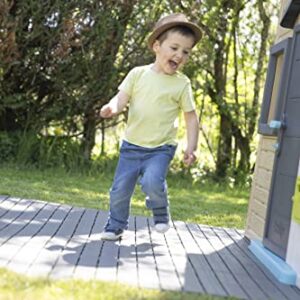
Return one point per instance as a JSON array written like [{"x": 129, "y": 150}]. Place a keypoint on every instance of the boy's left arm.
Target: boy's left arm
[{"x": 192, "y": 128}]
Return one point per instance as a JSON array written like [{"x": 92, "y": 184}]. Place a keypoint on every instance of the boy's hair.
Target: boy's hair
[{"x": 183, "y": 30}]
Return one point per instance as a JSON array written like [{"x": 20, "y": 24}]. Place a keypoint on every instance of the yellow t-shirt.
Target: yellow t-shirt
[{"x": 155, "y": 102}]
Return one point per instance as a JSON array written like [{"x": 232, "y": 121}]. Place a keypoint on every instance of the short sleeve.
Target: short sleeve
[
  {"x": 187, "y": 102},
  {"x": 128, "y": 83}
]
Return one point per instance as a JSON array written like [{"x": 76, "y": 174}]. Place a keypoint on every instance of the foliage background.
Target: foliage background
[{"x": 61, "y": 61}]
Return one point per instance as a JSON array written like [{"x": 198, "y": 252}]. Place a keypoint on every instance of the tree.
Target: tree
[
  {"x": 231, "y": 60},
  {"x": 60, "y": 62}
]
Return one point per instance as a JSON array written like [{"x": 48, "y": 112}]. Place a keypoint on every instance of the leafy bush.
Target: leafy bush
[
  {"x": 40, "y": 151},
  {"x": 59, "y": 151},
  {"x": 8, "y": 146}
]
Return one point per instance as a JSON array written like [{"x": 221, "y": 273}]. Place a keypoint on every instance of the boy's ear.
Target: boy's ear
[{"x": 156, "y": 45}]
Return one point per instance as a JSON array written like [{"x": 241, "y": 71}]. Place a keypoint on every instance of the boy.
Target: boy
[{"x": 155, "y": 93}]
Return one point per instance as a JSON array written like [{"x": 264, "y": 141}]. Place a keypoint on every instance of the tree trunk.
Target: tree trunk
[
  {"x": 243, "y": 141},
  {"x": 112, "y": 43},
  {"x": 8, "y": 121},
  {"x": 260, "y": 65},
  {"x": 224, "y": 148},
  {"x": 89, "y": 134},
  {"x": 243, "y": 144},
  {"x": 224, "y": 143},
  {"x": 102, "y": 138}
]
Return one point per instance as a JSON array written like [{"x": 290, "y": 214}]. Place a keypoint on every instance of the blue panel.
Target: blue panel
[{"x": 277, "y": 266}]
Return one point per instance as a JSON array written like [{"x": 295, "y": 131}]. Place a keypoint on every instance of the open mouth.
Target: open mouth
[{"x": 173, "y": 64}]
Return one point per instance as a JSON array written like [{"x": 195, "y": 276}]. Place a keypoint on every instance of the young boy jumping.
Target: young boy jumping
[{"x": 155, "y": 93}]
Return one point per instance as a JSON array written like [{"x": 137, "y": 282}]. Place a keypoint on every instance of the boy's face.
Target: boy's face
[{"x": 172, "y": 53}]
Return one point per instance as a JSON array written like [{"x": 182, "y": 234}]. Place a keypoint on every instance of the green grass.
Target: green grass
[
  {"x": 207, "y": 203},
  {"x": 193, "y": 202},
  {"x": 17, "y": 287}
]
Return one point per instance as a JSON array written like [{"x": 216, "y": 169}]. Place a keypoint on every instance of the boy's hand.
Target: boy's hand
[
  {"x": 115, "y": 105},
  {"x": 108, "y": 111},
  {"x": 189, "y": 157}
]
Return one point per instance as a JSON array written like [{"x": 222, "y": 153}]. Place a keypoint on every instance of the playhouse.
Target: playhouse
[{"x": 273, "y": 222}]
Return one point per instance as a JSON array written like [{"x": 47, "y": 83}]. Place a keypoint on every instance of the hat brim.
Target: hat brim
[{"x": 157, "y": 32}]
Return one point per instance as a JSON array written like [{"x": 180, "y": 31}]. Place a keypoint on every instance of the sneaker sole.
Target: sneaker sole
[
  {"x": 162, "y": 231},
  {"x": 116, "y": 238}
]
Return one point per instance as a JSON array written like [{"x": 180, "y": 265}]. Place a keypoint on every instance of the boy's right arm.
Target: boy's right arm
[{"x": 115, "y": 105}]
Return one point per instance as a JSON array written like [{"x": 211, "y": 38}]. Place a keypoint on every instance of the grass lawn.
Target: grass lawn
[
  {"x": 209, "y": 204},
  {"x": 193, "y": 202},
  {"x": 16, "y": 287}
]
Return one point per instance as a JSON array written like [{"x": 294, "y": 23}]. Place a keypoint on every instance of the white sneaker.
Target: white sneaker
[
  {"x": 111, "y": 236},
  {"x": 162, "y": 227}
]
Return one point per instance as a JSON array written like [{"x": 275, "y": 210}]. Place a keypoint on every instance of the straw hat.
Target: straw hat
[{"x": 170, "y": 21}]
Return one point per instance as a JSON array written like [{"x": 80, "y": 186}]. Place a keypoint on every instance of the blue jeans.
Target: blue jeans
[{"x": 149, "y": 167}]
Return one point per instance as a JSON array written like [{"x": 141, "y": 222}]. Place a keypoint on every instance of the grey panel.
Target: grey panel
[
  {"x": 204, "y": 271},
  {"x": 72, "y": 250},
  {"x": 22, "y": 221},
  {"x": 294, "y": 90},
  {"x": 284, "y": 291},
  {"x": 286, "y": 160},
  {"x": 147, "y": 270},
  {"x": 221, "y": 270},
  {"x": 31, "y": 240},
  {"x": 297, "y": 46},
  {"x": 108, "y": 261},
  {"x": 290, "y": 151},
  {"x": 184, "y": 269},
  {"x": 86, "y": 266},
  {"x": 293, "y": 117},
  {"x": 128, "y": 267},
  {"x": 241, "y": 275},
  {"x": 290, "y": 15},
  {"x": 293, "y": 97},
  {"x": 278, "y": 49},
  {"x": 277, "y": 230},
  {"x": 167, "y": 272},
  {"x": 7, "y": 205},
  {"x": 247, "y": 263},
  {"x": 3, "y": 197},
  {"x": 49, "y": 255},
  {"x": 9, "y": 216},
  {"x": 67, "y": 240}
]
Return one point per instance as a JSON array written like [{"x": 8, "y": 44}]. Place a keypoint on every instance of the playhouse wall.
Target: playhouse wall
[
  {"x": 260, "y": 189},
  {"x": 292, "y": 257},
  {"x": 259, "y": 195}
]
